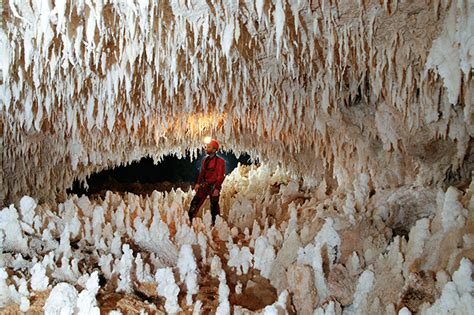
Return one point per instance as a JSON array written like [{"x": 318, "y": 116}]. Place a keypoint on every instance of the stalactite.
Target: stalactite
[{"x": 95, "y": 60}]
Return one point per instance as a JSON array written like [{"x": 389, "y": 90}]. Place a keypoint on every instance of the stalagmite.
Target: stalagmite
[
  {"x": 39, "y": 280},
  {"x": 457, "y": 295},
  {"x": 4, "y": 292},
  {"x": 124, "y": 269},
  {"x": 13, "y": 237},
  {"x": 264, "y": 256},
  {"x": 168, "y": 289},
  {"x": 224, "y": 306},
  {"x": 86, "y": 301},
  {"x": 61, "y": 300},
  {"x": 341, "y": 258},
  {"x": 187, "y": 272},
  {"x": 240, "y": 259}
]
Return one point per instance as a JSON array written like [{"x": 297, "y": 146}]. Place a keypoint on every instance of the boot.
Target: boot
[
  {"x": 194, "y": 208},
  {"x": 214, "y": 209}
]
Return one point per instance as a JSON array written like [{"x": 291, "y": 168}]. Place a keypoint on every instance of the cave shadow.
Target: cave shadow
[{"x": 142, "y": 177}]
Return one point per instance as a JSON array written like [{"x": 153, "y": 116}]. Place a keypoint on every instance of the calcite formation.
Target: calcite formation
[
  {"x": 381, "y": 87},
  {"x": 288, "y": 264},
  {"x": 360, "y": 114}
]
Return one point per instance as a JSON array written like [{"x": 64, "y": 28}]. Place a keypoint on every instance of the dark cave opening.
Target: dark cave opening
[{"x": 143, "y": 177}]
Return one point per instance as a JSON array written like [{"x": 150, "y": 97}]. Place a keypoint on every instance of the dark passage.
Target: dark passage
[{"x": 143, "y": 177}]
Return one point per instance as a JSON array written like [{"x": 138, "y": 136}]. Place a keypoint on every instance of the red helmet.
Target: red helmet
[{"x": 215, "y": 144}]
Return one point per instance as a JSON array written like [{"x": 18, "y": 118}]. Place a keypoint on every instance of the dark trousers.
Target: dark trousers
[{"x": 199, "y": 199}]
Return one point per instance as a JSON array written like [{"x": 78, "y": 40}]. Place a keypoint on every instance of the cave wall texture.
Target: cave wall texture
[{"x": 326, "y": 89}]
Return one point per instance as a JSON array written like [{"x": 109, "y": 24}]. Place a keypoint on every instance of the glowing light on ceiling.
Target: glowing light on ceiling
[{"x": 207, "y": 139}]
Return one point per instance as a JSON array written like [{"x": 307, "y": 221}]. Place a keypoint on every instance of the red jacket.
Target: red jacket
[{"x": 212, "y": 171}]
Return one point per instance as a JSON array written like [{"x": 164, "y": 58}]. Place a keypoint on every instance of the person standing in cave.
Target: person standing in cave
[{"x": 209, "y": 182}]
